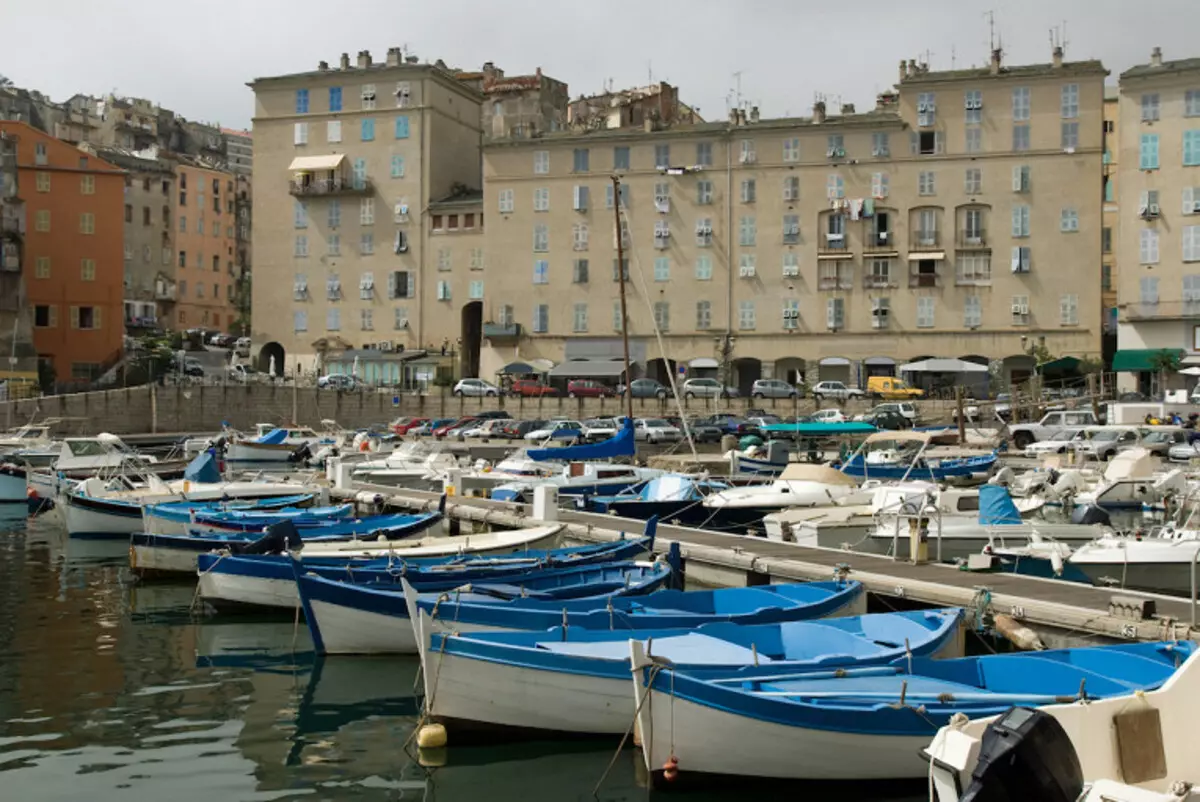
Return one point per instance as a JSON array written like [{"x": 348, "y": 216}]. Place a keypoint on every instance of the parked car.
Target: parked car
[
  {"x": 773, "y": 388},
  {"x": 703, "y": 430},
  {"x": 838, "y": 391},
  {"x": 1060, "y": 442},
  {"x": 476, "y": 388},
  {"x": 556, "y": 430},
  {"x": 645, "y": 388},
  {"x": 655, "y": 430},
  {"x": 454, "y": 424},
  {"x": 588, "y": 388},
  {"x": 1133, "y": 397},
  {"x": 1159, "y": 440},
  {"x": 517, "y": 429},
  {"x": 488, "y": 428},
  {"x": 191, "y": 366},
  {"x": 428, "y": 426},
  {"x": 409, "y": 425},
  {"x": 1103, "y": 442},
  {"x": 337, "y": 381},
  {"x": 754, "y": 425},
  {"x": 221, "y": 340},
  {"x": 600, "y": 428},
  {"x": 530, "y": 388},
  {"x": 891, "y": 387},
  {"x": 1022, "y": 434},
  {"x": 827, "y": 416},
  {"x": 888, "y": 419},
  {"x": 905, "y": 408},
  {"x": 707, "y": 388},
  {"x": 241, "y": 346}
]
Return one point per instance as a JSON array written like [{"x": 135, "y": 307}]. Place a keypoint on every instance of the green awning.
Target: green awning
[
  {"x": 1064, "y": 364},
  {"x": 1135, "y": 360}
]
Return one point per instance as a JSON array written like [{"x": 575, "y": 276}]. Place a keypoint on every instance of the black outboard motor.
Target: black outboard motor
[
  {"x": 301, "y": 454},
  {"x": 1025, "y": 756},
  {"x": 279, "y": 538},
  {"x": 1091, "y": 514}
]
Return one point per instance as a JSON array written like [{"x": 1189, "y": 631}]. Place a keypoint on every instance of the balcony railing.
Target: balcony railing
[
  {"x": 924, "y": 279},
  {"x": 832, "y": 244},
  {"x": 12, "y": 218},
  {"x": 162, "y": 293},
  {"x": 975, "y": 238},
  {"x": 1163, "y": 310},
  {"x": 925, "y": 241},
  {"x": 841, "y": 281},
  {"x": 973, "y": 278},
  {"x": 501, "y": 331},
  {"x": 877, "y": 282},
  {"x": 330, "y": 186},
  {"x": 880, "y": 241}
]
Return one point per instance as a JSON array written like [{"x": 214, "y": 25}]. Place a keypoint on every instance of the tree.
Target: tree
[
  {"x": 1164, "y": 362},
  {"x": 5, "y": 82}
]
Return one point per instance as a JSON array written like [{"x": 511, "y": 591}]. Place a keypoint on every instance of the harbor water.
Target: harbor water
[{"x": 111, "y": 690}]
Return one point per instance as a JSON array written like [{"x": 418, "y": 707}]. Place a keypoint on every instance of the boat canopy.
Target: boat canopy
[
  {"x": 847, "y": 427},
  {"x": 805, "y": 472},
  {"x": 203, "y": 469},
  {"x": 900, "y": 437},
  {"x": 619, "y": 445},
  {"x": 996, "y": 506},
  {"x": 272, "y": 438}
]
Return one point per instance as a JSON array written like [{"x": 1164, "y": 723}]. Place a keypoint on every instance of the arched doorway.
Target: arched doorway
[
  {"x": 834, "y": 369},
  {"x": 471, "y": 339},
  {"x": 791, "y": 369},
  {"x": 878, "y": 366},
  {"x": 1017, "y": 369},
  {"x": 661, "y": 369},
  {"x": 271, "y": 359},
  {"x": 746, "y": 371}
]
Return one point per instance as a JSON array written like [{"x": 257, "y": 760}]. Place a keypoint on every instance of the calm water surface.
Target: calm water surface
[{"x": 111, "y": 691}]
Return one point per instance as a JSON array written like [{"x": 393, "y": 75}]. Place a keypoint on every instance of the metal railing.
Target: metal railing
[{"x": 330, "y": 186}]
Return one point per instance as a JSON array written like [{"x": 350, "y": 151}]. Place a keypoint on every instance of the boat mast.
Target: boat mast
[{"x": 621, "y": 282}]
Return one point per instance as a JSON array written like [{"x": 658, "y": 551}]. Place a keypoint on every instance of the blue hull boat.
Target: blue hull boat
[
  {"x": 864, "y": 723},
  {"x": 936, "y": 470},
  {"x": 670, "y": 497},
  {"x": 176, "y": 517},
  {"x": 344, "y": 618},
  {"x": 572, "y": 680}
]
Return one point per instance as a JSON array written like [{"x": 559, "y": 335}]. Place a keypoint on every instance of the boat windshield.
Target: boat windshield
[{"x": 86, "y": 448}]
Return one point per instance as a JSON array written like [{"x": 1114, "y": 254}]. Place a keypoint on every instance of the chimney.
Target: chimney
[
  {"x": 323, "y": 66},
  {"x": 411, "y": 60},
  {"x": 393, "y": 57},
  {"x": 847, "y": 108},
  {"x": 819, "y": 111},
  {"x": 912, "y": 67},
  {"x": 903, "y": 72},
  {"x": 754, "y": 115},
  {"x": 344, "y": 62},
  {"x": 364, "y": 59},
  {"x": 1156, "y": 57},
  {"x": 995, "y": 64},
  {"x": 733, "y": 116},
  {"x": 1058, "y": 57}
]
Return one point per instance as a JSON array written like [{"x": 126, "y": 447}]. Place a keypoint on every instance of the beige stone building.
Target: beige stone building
[
  {"x": 346, "y": 162},
  {"x": 1159, "y": 238},
  {"x": 958, "y": 218},
  {"x": 1111, "y": 231}
]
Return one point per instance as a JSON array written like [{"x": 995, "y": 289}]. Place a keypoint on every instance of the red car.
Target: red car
[
  {"x": 589, "y": 388},
  {"x": 405, "y": 425},
  {"x": 442, "y": 431},
  {"x": 531, "y": 388}
]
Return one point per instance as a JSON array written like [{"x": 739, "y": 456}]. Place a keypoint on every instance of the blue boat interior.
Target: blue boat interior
[
  {"x": 203, "y": 468},
  {"x": 272, "y": 438},
  {"x": 735, "y": 601},
  {"x": 996, "y": 506}
]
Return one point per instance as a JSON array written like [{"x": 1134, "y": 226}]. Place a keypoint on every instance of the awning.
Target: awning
[
  {"x": 1193, "y": 359},
  {"x": 829, "y": 361},
  {"x": 1135, "y": 360},
  {"x": 879, "y": 360},
  {"x": 517, "y": 369},
  {"x": 943, "y": 366},
  {"x": 834, "y": 257},
  {"x": 704, "y": 362},
  {"x": 302, "y": 164},
  {"x": 927, "y": 256},
  {"x": 589, "y": 369},
  {"x": 1060, "y": 365}
]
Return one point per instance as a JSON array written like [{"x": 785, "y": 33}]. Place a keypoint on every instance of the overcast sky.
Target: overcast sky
[{"x": 196, "y": 59}]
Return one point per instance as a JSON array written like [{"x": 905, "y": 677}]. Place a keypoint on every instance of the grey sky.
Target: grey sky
[{"x": 196, "y": 59}]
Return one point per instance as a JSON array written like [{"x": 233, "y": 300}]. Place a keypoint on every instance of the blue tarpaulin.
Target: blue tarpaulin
[
  {"x": 820, "y": 429},
  {"x": 619, "y": 445},
  {"x": 996, "y": 506},
  {"x": 272, "y": 438},
  {"x": 203, "y": 469}
]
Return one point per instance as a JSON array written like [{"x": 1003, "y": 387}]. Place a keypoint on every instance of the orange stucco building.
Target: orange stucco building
[
  {"x": 206, "y": 246},
  {"x": 73, "y": 262}
]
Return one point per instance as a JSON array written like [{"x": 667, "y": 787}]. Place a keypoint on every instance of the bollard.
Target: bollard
[{"x": 545, "y": 503}]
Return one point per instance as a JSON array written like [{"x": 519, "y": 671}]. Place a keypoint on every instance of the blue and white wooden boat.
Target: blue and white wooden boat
[
  {"x": 670, "y": 497},
  {"x": 344, "y": 618},
  {"x": 770, "y": 460},
  {"x": 863, "y": 723},
  {"x": 159, "y": 554},
  {"x": 181, "y": 517},
  {"x": 905, "y": 457},
  {"x": 284, "y": 444},
  {"x": 267, "y": 580},
  {"x": 573, "y": 680}
]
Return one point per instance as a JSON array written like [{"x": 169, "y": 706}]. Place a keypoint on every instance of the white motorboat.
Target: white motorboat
[
  {"x": 1161, "y": 562},
  {"x": 78, "y": 458},
  {"x": 282, "y": 444},
  {"x": 579, "y": 478},
  {"x": 1131, "y": 480},
  {"x": 800, "y": 485},
  {"x": 411, "y": 464}
]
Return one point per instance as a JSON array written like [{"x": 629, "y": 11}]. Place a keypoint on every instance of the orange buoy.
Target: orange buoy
[
  {"x": 671, "y": 769},
  {"x": 365, "y": 446}
]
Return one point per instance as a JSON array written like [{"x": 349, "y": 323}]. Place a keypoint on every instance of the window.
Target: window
[
  {"x": 1020, "y": 221},
  {"x": 579, "y": 271},
  {"x": 1191, "y": 289},
  {"x": 1191, "y": 243},
  {"x": 791, "y": 229},
  {"x": 747, "y": 265},
  {"x": 87, "y": 223},
  {"x": 335, "y": 98},
  {"x": 879, "y": 185},
  {"x": 183, "y": 258},
  {"x": 1020, "y": 103},
  {"x": 579, "y": 318},
  {"x": 302, "y": 101},
  {"x": 45, "y": 317},
  {"x": 582, "y": 158},
  {"x": 299, "y": 216},
  {"x": 541, "y": 238},
  {"x": 333, "y": 319},
  {"x": 1149, "y": 107},
  {"x": 1068, "y": 309},
  {"x": 662, "y": 268},
  {"x": 835, "y": 314},
  {"x": 878, "y": 273},
  {"x": 476, "y": 259},
  {"x": 704, "y": 193},
  {"x": 704, "y": 268},
  {"x": 43, "y": 182},
  {"x": 1191, "y": 107},
  {"x": 973, "y": 181},
  {"x": 333, "y": 287},
  {"x": 39, "y": 153},
  {"x": 366, "y": 243},
  {"x": 1020, "y": 310},
  {"x": 616, "y": 315},
  {"x": 580, "y": 198},
  {"x": 879, "y": 144},
  {"x": 368, "y": 129},
  {"x": 541, "y": 271},
  {"x": 747, "y": 231},
  {"x": 1191, "y": 148},
  {"x": 183, "y": 289},
  {"x": 300, "y": 137},
  {"x": 835, "y": 236},
  {"x": 662, "y": 155},
  {"x": 926, "y": 109},
  {"x": 835, "y": 187},
  {"x": 333, "y": 131},
  {"x": 662, "y": 315},
  {"x": 974, "y": 140},
  {"x": 835, "y": 146},
  {"x": 1068, "y": 220},
  {"x": 41, "y": 220},
  {"x": 973, "y": 226},
  {"x": 366, "y": 319},
  {"x": 397, "y": 166},
  {"x": 85, "y": 317},
  {"x": 200, "y": 226},
  {"x": 541, "y": 199},
  {"x": 1110, "y": 190},
  {"x": 608, "y": 196},
  {"x": 443, "y": 290},
  {"x": 367, "y": 96},
  {"x": 400, "y": 318},
  {"x": 366, "y": 211},
  {"x": 541, "y": 162},
  {"x": 1021, "y": 178},
  {"x": 402, "y": 284},
  {"x": 973, "y": 269},
  {"x": 1070, "y": 136},
  {"x": 925, "y": 183},
  {"x": 703, "y": 315},
  {"x": 1021, "y": 137},
  {"x": 927, "y": 143},
  {"x": 1070, "y": 101},
  {"x": 791, "y": 149},
  {"x": 87, "y": 185},
  {"x": 579, "y": 236},
  {"x": 791, "y": 264},
  {"x": 1021, "y": 259},
  {"x": 42, "y": 269},
  {"x": 621, "y": 158},
  {"x": 505, "y": 200},
  {"x": 87, "y": 270},
  {"x": 1148, "y": 290},
  {"x": 973, "y": 103},
  {"x": 358, "y": 175},
  {"x": 925, "y": 312},
  {"x": 475, "y": 290},
  {"x": 704, "y": 232},
  {"x": 1106, "y": 239},
  {"x": 1148, "y": 246},
  {"x": 1148, "y": 152},
  {"x": 749, "y": 190},
  {"x": 791, "y": 188},
  {"x": 541, "y": 318},
  {"x": 443, "y": 259},
  {"x": 972, "y": 312},
  {"x": 791, "y": 314},
  {"x": 746, "y": 315},
  {"x": 1106, "y": 284},
  {"x": 301, "y": 246}
]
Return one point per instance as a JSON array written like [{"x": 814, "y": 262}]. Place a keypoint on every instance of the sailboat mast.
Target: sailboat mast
[{"x": 621, "y": 283}]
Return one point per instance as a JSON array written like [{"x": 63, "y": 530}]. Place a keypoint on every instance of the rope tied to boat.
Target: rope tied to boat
[
  {"x": 841, "y": 572},
  {"x": 980, "y": 604},
  {"x": 221, "y": 555}
]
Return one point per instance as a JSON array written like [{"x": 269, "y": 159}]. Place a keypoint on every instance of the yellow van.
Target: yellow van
[{"x": 891, "y": 387}]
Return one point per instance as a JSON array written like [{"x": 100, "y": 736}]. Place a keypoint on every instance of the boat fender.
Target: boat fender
[
  {"x": 431, "y": 736},
  {"x": 1056, "y": 562},
  {"x": 671, "y": 769},
  {"x": 1017, "y": 633},
  {"x": 431, "y": 758}
]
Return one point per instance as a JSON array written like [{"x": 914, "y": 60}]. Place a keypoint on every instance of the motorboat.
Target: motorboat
[
  {"x": 81, "y": 458},
  {"x": 800, "y": 485},
  {"x": 904, "y": 455},
  {"x": 413, "y": 464},
  {"x": 1161, "y": 562},
  {"x": 1132, "y": 480},
  {"x": 580, "y": 478},
  {"x": 671, "y": 497},
  {"x": 283, "y": 444}
]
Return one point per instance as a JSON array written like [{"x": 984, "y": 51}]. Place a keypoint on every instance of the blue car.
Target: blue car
[{"x": 425, "y": 429}]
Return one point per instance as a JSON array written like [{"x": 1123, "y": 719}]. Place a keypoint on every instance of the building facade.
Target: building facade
[
  {"x": 956, "y": 219},
  {"x": 1111, "y": 230},
  {"x": 73, "y": 259},
  {"x": 346, "y": 163},
  {"x": 239, "y": 151},
  {"x": 1159, "y": 239},
  {"x": 206, "y": 275},
  {"x": 16, "y": 335}
]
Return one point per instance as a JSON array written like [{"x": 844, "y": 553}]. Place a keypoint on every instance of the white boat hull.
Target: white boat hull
[
  {"x": 234, "y": 589},
  {"x": 88, "y": 522},
  {"x": 248, "y": 452},
  {"x": 345, "y": 630},
  {"x": 154, "y": 560},
  {"x": 960, "y": 541}
]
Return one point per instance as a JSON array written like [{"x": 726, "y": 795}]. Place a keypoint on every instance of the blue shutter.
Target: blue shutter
[
  {"x": 335, "y": 98},
  {"x": 368, "y": 129},
  {"x": 402, "y": 127}
]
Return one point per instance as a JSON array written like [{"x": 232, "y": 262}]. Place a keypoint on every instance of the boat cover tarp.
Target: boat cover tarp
[
  {"x": 847, "y": 427},
  {"x": 619, "y": 445},
  {"x": 996, "y": 506},
  {"x": 203, "y": 469},
  {"x": 271, "y": 438}
]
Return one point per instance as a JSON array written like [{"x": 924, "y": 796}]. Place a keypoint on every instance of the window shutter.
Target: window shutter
[
  {"x": 1189, "y": 204},
  {"x": 74, "y": 317},
  {"x": 1143, "y": 202},
  {"x": 53, "y": 316}
]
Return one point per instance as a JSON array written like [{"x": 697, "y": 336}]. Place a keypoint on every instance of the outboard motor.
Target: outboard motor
[
  {"x": 279, "y": 538},
  {"x": 1025, "y": 756},
  {"x": 1091, "y": 514},
  {"x": 301, "y": 454}
]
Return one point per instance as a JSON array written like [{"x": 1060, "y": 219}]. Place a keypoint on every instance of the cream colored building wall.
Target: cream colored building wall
[
  {"x": 1111, "y": 213},
  {"x": 456, "y": 257}
]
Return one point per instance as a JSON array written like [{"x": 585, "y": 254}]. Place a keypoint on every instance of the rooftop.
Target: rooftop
[
  {"x": 460, "y": 196},
  {"x": 1091, "y": 67},
  {"x": 1162, "y": 69}
]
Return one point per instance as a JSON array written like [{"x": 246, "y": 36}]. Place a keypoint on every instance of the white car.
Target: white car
[
  {"x": 562, "y": 428},
  {"x": 1183, "y": 452},
  {"x": 835, "y": 390},
  {"x": 1059, "y": 443},
  {"x": 476, "y": 388},
  {"x": 655, "y": 430},
  {"x": 828, "y": 416},
  {"x": 487, "y": 428},
  {"x": 600, "y": 428}
]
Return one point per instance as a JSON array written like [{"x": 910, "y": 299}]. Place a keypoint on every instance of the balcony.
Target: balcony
[
  {"x": 1163, "y": 310},
  {"x": 924, "y": 275},
  {"x": 12, "y": 218},
  {"x": 925, "y": 241},
  {"x": 833, "y": 245},
  {"x": 878, "y": 282},
  {"x": 499, "y": 332},
  {"x": 880, "y": 242},
  {"x": 163, "y": 292},
  {"x": 329, "y": 187},
  {"x": 974, "y": 239}
]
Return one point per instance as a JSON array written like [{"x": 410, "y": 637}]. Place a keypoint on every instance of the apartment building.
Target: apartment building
[
  {"x": 205, "y": 246},
  {"x": 73, "y": 253},
  {"x": 1111, "y": 230},
  {"x": 16, "y": 336},
  {"x": 239, "y": 150},
  {"x": 1159, "y": 240},
  {"x": 347, "y": 161},
  {"x": 518, "y": 105},
  {"x": 960, "y": 218}
]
